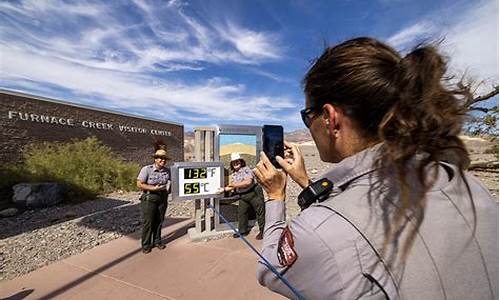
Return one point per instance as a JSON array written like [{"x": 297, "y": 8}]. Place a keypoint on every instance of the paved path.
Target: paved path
[{"x": 220, "y": 269}]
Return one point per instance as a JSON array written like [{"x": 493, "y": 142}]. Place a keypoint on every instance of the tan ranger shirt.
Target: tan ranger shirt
[{"x": 333, "y": 250}]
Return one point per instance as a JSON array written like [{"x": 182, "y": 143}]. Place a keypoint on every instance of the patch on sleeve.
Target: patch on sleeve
[{"x": 286, "y": 254}]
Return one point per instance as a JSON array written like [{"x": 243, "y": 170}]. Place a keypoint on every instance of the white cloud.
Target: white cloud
[
  {"x": 216, "y": 99},
  {"x": 251, "y": 43},
  {"x": 113, "y": 60},
  {"x": 472, "y": 44},
  {"x": 470, "y": 38},
  {"x": 409, "y": 35},
  {"x": 30, "y": 7},
  {"x": 176, "y": 38}
]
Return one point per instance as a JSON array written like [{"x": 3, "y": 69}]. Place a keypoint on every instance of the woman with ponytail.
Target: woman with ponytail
[{"x": 404, "y": 220}]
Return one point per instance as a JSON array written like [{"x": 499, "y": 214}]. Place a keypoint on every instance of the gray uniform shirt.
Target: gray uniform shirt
[
  {"x": 324, "y": 254},
  {"x": 241, "y": 175},
  {"x": 151, "y": 175}
]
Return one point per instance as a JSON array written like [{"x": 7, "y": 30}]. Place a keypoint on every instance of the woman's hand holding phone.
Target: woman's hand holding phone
[
  {"x": 271, "y": 180},
  {"x": 294, "y": 165}
]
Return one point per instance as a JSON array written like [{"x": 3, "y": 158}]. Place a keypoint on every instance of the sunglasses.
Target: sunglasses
[
  {"x": 160, "y": 157},
  {"x": 308, "y": 114}
]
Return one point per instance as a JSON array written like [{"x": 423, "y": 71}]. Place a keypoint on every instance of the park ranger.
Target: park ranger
[
  {"x": 396, "y": 217},
  {"x": 154, "y": 181},
  {"x": 250, "y": 195}
]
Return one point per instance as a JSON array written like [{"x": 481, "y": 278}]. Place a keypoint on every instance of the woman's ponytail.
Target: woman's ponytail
[{"x": 426, "y": 117}]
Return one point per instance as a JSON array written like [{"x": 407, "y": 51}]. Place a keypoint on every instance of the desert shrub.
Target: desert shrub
[{"x": 87, "y": 166}]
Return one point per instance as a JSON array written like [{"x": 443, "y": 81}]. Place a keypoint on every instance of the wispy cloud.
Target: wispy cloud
[
  {"x": 470, "y": 38},
  {"x": 212, "y": 98},
  {"x": 92, "y": 49},
  {"x": 410, "y": 35},
  {"x": 472, "y": 43},
  {"x": 251, "y": 43}
]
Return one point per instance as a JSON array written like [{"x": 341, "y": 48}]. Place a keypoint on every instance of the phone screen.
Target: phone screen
[{"x": 272, "y": 143}]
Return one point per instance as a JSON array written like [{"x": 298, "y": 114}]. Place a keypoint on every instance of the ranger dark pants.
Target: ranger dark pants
[
  {"x": 254, "y": 199},
  {"x": 153, "y": 208}
]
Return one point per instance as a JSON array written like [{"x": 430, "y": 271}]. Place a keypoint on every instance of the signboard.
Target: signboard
[
  {"x": 197, "y": 180},
  {"x": 28, "y": 119}
]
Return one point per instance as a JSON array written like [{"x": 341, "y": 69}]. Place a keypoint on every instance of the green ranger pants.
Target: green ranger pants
[
  {"x": 254, "y": 199},
  {"x": 153, "y": 208}
]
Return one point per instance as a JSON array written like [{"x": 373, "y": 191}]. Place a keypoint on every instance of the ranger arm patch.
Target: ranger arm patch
[{"x": 286, "y": 253}]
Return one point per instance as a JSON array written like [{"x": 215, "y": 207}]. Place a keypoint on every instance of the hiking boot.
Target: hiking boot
[{"x": 160, "y": 246}]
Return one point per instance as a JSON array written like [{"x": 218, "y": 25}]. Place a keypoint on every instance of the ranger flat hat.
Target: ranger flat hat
[
  {"x": 161, "y": 153},
  {"x": 235, "y": 156}
]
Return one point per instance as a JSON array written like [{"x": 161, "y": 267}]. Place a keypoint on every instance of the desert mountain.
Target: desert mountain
[{"x": 237, "y": 147}]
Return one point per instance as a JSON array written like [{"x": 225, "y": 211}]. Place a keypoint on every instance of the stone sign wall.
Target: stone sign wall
[{"x": 26, "y": 119}]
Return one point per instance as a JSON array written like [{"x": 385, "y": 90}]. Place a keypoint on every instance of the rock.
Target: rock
[
  {"x": 9, "y": 212},
  {"x": 483, "y": 165},
  {"x": 39, "y": 195},
  {"x": 70, "y": 215}
]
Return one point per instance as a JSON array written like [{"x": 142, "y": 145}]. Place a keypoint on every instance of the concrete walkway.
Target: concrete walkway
[{"x": 220, "y": 269}]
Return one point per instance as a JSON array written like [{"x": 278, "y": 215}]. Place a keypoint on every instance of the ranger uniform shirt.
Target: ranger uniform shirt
[
  {"x": 242, "y": 174},
  {"x": 151, "y": 175},
  {"x": 333, "y": 249}
]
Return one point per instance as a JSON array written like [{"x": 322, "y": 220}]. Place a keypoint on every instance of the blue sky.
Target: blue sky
[{"x": 210, "y": 62}]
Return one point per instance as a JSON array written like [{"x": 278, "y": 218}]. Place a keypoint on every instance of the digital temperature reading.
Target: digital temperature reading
[
  {"x": 195, "y": 173},
  {"x": 191, "y": 188},
  {"x": 197, "y": 180}
]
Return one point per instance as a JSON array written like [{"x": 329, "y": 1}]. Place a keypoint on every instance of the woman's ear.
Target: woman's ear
[{"x": 331, "y": 116}]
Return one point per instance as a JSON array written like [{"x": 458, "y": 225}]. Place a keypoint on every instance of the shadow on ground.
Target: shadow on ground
[
  {"x": 166, "y": 239},
  {"x": 20, "y": 295},
  {"x": 124, "y": 220},
  {"x": 41, "y": 218}
]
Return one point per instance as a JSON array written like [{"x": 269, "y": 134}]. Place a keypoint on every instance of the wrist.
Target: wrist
[
  {"x": 304, "y": 182},
  {"x": 276, "y": 197}
]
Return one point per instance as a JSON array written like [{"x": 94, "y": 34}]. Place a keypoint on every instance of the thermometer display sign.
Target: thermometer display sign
[{"x": 197, "y": 180}]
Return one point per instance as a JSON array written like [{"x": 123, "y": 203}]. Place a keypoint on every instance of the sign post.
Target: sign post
[{"x": 204, "y": 152}]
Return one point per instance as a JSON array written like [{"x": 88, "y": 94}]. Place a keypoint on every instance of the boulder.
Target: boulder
[
  {"x": 9, "y": 212},
  {"x": 39, "y": 195}
]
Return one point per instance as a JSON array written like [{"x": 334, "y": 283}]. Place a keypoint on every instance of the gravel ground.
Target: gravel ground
[{"x": 36, "y": 238}]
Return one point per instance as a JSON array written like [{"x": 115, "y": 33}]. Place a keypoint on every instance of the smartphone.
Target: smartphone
[{"x": 272, "y": 143}]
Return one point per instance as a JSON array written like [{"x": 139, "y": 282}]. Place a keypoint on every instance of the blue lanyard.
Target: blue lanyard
[{"x": 266, "y": 262}]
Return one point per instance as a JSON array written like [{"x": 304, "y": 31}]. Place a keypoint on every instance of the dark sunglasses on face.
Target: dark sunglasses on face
[
  {"x": 161, "y": 157},
  {"x": 308, "y": 114}
]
